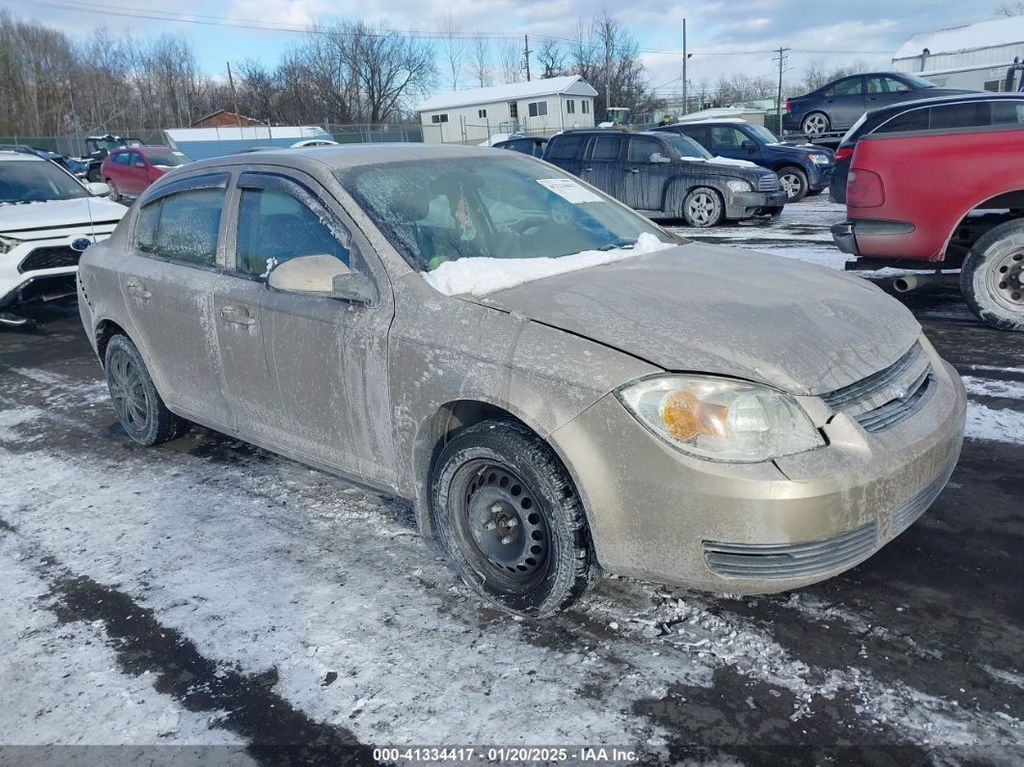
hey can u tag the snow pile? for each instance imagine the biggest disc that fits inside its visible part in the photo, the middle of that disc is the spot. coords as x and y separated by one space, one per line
479 276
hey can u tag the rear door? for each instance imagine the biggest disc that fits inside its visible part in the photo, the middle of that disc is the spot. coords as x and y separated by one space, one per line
604 164
566 151
727 141
698 133
845 101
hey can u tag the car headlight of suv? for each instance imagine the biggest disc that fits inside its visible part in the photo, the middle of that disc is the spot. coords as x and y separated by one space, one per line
7 244
737 185
721 419
821 159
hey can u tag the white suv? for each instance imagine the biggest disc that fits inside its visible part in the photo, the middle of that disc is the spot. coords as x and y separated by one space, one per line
47 218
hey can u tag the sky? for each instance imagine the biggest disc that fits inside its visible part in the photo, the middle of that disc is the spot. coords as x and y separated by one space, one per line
724 38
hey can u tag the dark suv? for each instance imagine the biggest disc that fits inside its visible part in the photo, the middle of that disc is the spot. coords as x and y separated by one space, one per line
802 170
664 175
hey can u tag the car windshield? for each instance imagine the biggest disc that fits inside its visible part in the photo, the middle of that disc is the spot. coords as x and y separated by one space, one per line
167 159
31 181
763 133
918 82
435 211
687 147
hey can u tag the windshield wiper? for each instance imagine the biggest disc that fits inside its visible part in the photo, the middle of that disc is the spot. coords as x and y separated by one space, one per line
616 245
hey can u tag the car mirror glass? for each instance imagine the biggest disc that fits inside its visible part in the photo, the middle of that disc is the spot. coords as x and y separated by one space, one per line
749 145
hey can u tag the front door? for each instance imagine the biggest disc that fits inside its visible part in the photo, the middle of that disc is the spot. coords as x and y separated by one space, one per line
168 281
644 179
326 358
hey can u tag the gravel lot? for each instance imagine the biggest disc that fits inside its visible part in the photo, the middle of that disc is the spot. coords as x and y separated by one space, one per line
209 593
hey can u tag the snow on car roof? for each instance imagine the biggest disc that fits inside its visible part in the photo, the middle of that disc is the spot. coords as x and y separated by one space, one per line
703 120
984 34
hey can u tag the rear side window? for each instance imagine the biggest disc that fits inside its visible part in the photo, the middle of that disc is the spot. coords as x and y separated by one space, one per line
914 120
121 158
979 114
1008 113
564 148
606 148
182 226
848 87
971 115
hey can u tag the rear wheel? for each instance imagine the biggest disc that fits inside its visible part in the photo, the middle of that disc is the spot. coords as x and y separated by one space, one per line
142 413
992 278
702 207
115 194
511 521
794 182
815 124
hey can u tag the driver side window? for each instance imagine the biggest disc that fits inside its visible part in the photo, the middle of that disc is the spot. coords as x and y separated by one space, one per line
274 226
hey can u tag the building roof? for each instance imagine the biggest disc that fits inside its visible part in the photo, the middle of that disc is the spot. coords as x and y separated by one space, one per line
234 117
511 92
984 34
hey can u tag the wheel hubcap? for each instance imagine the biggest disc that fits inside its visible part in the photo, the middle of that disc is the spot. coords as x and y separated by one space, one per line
701 209
504 522
1006 281
128 391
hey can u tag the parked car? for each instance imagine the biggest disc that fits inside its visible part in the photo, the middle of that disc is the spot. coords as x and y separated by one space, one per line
490 336
96 150
47 217
965 211
801 170
839 104
526 144
129 171
667 176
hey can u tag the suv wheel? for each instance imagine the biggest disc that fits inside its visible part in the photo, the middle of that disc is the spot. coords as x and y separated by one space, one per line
511 521
142 413
992 278
702 207
794 183
815 124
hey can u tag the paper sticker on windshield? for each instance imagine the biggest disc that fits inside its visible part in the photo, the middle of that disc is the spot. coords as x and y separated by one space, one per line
569 190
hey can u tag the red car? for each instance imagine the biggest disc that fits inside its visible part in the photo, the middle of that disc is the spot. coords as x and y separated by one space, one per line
939 184
130 170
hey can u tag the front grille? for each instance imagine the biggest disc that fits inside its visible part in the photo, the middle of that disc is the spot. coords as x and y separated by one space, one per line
768 183
791 560
49 258
887 397
904 515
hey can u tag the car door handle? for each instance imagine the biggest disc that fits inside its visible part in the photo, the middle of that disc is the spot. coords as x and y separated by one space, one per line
634 170
138 289
586 170
237 315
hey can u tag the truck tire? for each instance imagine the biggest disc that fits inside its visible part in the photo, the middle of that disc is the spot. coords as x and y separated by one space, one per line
703 207
992 277
511 521
140 409
794 182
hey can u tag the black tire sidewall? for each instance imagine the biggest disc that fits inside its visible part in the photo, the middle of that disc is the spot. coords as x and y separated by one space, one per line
718 201
152 433
973 274
508 444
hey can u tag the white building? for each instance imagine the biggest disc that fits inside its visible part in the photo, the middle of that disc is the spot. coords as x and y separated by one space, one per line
539 106
974 56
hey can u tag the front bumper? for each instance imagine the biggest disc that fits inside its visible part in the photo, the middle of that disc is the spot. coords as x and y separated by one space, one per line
740 205
819 176
659 514
42 270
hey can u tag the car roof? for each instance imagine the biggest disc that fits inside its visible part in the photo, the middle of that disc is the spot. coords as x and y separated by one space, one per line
707 121
874 116
9 155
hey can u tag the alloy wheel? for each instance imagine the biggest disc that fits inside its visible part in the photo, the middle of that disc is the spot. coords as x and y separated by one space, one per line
128 391
815 124
791 184
701 208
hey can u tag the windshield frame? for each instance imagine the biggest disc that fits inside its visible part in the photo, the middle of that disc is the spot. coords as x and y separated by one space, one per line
761 132
72 190
919 82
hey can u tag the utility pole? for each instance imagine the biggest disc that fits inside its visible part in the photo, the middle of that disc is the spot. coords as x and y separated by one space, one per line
778 101
685 110
234 95
526 55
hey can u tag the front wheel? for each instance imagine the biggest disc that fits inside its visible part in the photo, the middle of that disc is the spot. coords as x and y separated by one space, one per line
511 521
702 208
794 183
142 413
115 194
992 277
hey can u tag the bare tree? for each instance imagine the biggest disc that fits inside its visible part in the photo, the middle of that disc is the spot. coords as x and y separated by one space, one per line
1010 9
511 57
552 57
453 49
480 59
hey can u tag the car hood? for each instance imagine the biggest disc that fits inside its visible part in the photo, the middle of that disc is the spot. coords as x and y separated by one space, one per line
59 213
721 167
699 308
790 151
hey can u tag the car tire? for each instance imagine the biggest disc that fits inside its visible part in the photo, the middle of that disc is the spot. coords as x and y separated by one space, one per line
511 521
992 277
140 409
794 182
115 195
703 207
816 192
815 124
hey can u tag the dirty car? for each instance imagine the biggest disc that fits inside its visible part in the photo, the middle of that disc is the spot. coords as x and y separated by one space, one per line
563 387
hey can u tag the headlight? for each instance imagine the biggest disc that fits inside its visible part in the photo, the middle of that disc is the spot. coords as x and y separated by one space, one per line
721 419
821 159
736 185
7 244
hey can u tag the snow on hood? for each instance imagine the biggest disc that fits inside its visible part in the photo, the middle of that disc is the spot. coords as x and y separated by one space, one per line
716 160
801 327
480 276
59 213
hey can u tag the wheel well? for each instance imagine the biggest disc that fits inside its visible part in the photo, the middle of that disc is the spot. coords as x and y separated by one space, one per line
1003 207
450 419
106 330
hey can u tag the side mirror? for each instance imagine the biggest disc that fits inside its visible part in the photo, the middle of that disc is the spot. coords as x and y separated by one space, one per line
322 275
98 188
659 157
749 146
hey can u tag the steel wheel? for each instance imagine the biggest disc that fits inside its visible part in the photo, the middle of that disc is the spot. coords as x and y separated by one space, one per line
702 208
498 512
815 124
129 391
1006 281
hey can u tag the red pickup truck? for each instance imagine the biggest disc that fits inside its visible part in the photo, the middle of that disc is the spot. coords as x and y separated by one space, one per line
939 184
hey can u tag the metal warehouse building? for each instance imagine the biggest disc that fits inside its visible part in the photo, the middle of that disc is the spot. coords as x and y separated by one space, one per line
973 56
536 106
